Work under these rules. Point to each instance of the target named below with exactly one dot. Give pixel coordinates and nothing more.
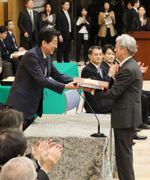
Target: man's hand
(72, 85)
(113, 70)
(143, 68)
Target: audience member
(10, 118)
(32, 76)
(27, 23)
(145, 21)
(10, 40)
(82, 36)
(47, 18)
(12, 144)
(7, 58)
(133, 21)
(18, 168)
(64, 26)
(94, 71)
(106, 20)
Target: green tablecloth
(53, 103)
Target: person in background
(10, 40)
(106, 20)
(35, 68)
(82, 37)
(64, 26)
(27, 23)
(18, 168)
(133, 21)
(145, 21)
(47, 18)
(94, 71)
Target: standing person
(27, 23)
(47, 17)
(133, 21)
(64, 26)
(82, 25)
(32, 77)
(145, 21)
(106, 20)
(126, 110)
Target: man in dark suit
(7, 58)
(126, 110)
(32, 77)
(64, 26)
(27, 23)
(133, 21)
(94, 71)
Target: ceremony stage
(84, 157)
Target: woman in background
(82, 38)
(47, 18)
(145, 21)
(106, 20)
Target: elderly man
(19, 168)
(126, 110)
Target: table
(84, 157)
(51, 98)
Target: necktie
(32, 19)
(100, 72)
(45, 70)
(14, 41)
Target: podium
(143, 54)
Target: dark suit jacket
(98, 104)
(10, 44)
(4, 52)
(26, 94)
(133, 21)
(25, 24)
(62, 25)
(126, 93)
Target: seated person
(7, 64)
(94, 71)
(10, 40)
(17, 168)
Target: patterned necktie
(14, 41)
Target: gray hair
(19, 168)
(128, 42)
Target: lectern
(143, 54)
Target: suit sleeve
(21, 23)
(32, 66)
(121, 84)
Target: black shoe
(133, 143)
(145, 126)
(137, 129)
(148, 121)
(139, 137)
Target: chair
(72, 100)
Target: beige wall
(1, 13)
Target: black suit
(7, 63)
(64, 47)
(10, 43)
(26, 93)
(133, 21)
(25, 25)
(98, 104)
(126, 114)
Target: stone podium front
(84, 157)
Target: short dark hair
(106, 47)
(92, 48)
(64, 1)
(10, 118)
(3, 29)
(132, 2)
(46, 34)
(12, 144)
(6, 22)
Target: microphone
(98, 134)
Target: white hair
(19, 168)
(128, 42)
